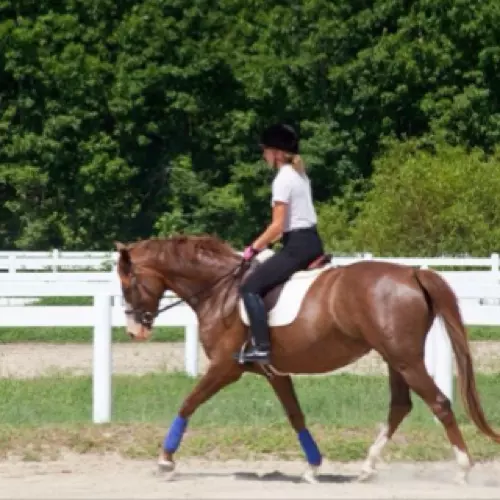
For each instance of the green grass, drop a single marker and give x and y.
(64, 301)
(243, 420)
(79, 335)
(484, 332)
(83, 335)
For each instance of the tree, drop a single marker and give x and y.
(429, 200)
(125, 120)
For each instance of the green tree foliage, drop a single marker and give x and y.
(121, 120)
(425, 200)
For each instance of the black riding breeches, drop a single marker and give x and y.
(300, 248)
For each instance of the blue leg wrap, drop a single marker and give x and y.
(310, 447)
(174, 437)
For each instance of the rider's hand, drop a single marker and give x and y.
(249, 253)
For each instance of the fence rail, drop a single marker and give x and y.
(56, 260)
(102, 316)
(478, 292)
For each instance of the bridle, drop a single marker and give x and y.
(146, 318)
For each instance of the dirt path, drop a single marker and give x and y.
(112, 477)
(36, 359)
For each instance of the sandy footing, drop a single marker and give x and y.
(113, 477)
(37, 359)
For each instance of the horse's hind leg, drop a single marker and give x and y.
(285, 391)
(422, 383)
(400, 407)
(217, 377)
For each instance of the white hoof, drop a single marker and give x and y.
(166, 467)
(374, 455)
(366, 474)
(311, 474)
(464, 464)
(368, 471)
(462, 478)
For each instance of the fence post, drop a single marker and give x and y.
(495, 263)
(191, 350)
(443, 360)
(439, 359)
(438, 356)
(12, 263)
(430, 352)
(55, 259)
(102, 361)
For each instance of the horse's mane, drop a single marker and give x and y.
(186, 248)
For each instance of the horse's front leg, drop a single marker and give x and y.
(284, 389)
(218, 376)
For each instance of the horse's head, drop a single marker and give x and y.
(142, 289)
(193, 267)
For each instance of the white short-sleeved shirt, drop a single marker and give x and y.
(293, 188)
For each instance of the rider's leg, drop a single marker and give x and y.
(260, 349)
(299, 249)
(274, 271)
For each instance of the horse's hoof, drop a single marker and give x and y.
(166, 467)
(366, 475)
(311, 474)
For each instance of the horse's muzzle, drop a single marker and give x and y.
(144, 334)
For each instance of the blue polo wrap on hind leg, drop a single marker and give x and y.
(310, 447)
(174, 437)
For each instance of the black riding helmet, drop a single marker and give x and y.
(280, 136)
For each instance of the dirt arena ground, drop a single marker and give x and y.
(111, 477)
(38, 359)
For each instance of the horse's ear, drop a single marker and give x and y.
(119, 245)
(124, 262)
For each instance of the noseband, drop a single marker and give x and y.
(146, 318)
(141, 316)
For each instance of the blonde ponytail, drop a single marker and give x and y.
(297, 163)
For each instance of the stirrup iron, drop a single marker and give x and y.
(241, 356)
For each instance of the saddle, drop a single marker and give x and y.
(271, 297)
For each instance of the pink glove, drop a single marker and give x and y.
(249, 253)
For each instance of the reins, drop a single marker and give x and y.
(146, 318)
(235, 271)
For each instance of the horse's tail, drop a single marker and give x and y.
(445, 304)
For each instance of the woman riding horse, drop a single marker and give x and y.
(294, 220)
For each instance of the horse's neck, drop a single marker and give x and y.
(202, 281)
(210, 289)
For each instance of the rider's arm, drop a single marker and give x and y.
(274, 230)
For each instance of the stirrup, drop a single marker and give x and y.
(240, 357)
(258, 356)
(243, 354)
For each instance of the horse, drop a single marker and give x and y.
(323, 318)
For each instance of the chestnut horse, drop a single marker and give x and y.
(345, 312)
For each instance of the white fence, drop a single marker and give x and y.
(102, 315)
(56, 260)
(478, 292)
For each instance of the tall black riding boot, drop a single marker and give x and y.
(260, 350)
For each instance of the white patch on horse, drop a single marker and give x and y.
(133, 326)
(464, 464)
(374, 453)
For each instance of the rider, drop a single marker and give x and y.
(293, 219)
